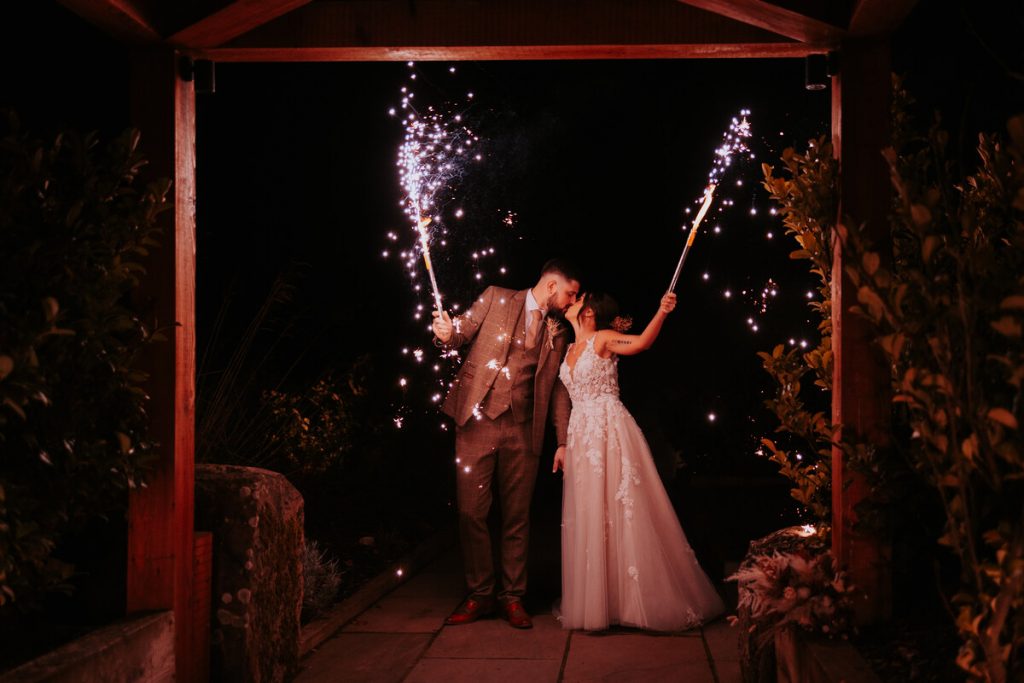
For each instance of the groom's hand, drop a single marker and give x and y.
(559, 463)
(442, 327)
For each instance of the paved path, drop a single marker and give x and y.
(402, 639)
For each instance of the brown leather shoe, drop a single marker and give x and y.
(470, 611)
(516, 615)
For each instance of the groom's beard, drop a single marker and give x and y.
(552, 310)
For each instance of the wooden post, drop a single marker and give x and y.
(160, 527)
(861, 403)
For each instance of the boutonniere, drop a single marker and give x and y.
(554, 329)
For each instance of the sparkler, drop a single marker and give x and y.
(430, 157)
(733, 141)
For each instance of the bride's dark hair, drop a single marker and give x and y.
(605, 308)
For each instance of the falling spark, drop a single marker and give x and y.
(770, 290)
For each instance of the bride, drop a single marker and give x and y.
(625, 558)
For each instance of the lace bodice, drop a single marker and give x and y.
(593, 377)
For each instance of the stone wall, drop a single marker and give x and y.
(135, 649)
(256, 517)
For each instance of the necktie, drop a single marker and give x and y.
(533, 328)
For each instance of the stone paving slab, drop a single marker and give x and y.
(402, 639)
(400, 614)
(723, 640)
(432, 584)
(728, 671)
(364, 658)
(639, 657)
(496, 639)
(448, 563)
(485, 670)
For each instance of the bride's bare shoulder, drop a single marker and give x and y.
(601, 345)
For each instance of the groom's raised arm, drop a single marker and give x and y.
(466, 325)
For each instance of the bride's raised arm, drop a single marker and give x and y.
(608, 342)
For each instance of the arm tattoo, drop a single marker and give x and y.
(623, 342)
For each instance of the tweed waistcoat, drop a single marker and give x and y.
(513, 386)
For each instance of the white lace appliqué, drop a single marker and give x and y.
(629, 476)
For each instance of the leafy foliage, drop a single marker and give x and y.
(948, 314)
(806, 197)
(75, 227)
(316, 427)
(321, 579)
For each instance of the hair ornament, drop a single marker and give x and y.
(622, 324)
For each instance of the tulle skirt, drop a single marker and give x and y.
(625, 557)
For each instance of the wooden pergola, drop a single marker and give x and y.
(165, 38)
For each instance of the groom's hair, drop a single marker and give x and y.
(561, 267)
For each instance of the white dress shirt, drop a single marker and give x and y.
(531, 305)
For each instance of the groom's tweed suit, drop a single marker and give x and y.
(500, 400)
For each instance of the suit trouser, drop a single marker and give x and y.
(487, 449)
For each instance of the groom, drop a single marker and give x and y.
(504, 391)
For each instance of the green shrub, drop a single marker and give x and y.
(806, 197)
(948, 312)
(74, 228)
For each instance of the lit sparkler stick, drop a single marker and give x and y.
(709, 193)
(734, 142)
(425, 248)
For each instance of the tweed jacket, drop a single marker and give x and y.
(487, 326)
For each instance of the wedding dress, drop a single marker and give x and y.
(625, 558)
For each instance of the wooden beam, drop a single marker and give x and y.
(496, 29)
(861, 393)
(124, 20)
(232, 21)
(509, 52)
(772, 17)
(879, 17)
(160, 516)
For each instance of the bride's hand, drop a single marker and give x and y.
(559, 463)
(668, 303)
